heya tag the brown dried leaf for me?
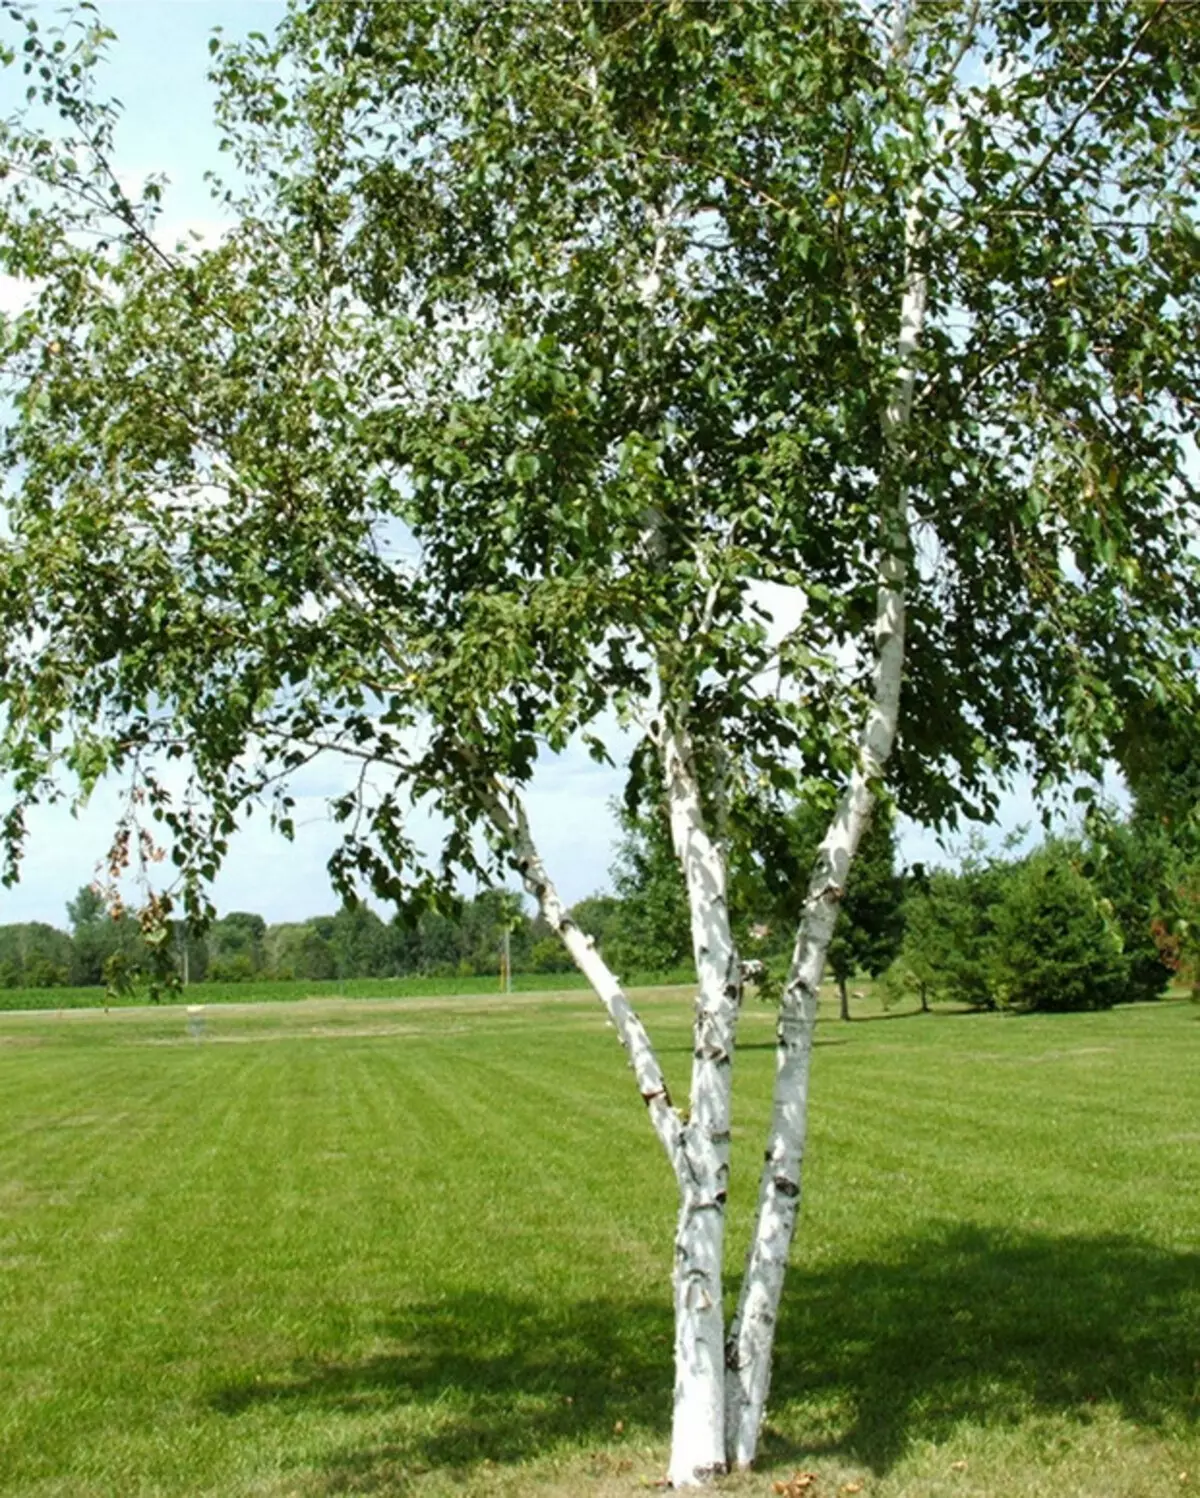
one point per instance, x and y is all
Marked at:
(798, 1485)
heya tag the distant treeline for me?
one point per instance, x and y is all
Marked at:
(1076, 924)
(241, 947)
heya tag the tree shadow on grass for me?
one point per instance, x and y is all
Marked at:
(480, 1376)
(773, 1045)
(988, 1326)
(962, 1324)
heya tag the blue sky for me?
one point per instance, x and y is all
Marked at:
(157, 68)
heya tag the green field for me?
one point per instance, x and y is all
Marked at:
(293, 1257)
(288, 990)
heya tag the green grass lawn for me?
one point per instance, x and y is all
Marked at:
(288, 990)
(295, 1257)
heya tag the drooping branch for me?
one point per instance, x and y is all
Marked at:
(506, 812)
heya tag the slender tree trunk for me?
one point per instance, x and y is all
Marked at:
(844, 998)
(698, 1426)
(698, 1419)
(752, 1334)
(698, 1149)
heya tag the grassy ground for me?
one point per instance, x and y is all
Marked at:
(422, 1248)
(287, 991)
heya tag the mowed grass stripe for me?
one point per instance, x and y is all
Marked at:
(88, 1330)
(247, 1261)
(336, 1249)
(985, 1246)
(396, 1100)
(557, 1137)
(1086, 1121)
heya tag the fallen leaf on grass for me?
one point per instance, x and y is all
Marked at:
(799, 1484)
(958, 1466)
(852, 1487)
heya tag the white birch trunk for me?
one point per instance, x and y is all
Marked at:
(698, 1418)
(698, 1149)
(698, 1427)
(752, 1334)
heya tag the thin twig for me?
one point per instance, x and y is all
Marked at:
(1092, 99)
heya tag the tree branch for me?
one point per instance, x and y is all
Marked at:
(506, 812)
(1092, 99)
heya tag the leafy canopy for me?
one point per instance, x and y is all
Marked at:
(541, 341)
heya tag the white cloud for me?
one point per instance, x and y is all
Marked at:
(16, 294)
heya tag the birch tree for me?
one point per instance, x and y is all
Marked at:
(548, 344)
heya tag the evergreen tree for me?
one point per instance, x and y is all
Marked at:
(1161, 760)
(1054, 948)
(870, 927)
(1141, 876)
(949, 947)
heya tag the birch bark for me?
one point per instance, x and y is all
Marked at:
(697, 1148)
(698, 1427)
(752, 1334)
